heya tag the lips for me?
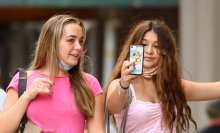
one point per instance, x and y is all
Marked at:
(148, 58)
(74, 55)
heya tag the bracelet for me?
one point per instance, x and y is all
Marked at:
(26, 96)
(122, 88)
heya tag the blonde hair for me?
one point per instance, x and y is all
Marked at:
(47, 50)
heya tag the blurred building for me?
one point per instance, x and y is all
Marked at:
(200, 45)
(107, 23)
(194, 22)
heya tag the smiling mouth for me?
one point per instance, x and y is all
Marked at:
(74, 55)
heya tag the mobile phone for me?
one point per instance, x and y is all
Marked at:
(136, 55)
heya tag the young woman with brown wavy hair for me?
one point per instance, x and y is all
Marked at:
(159, 95)
(59, 95)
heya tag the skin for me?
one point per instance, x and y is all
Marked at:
(151, 52)
(70, 49)
(71, 44)
(146, 91)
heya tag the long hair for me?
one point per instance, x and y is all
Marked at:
(168, 78)
(47, 50)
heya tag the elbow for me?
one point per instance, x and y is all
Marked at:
(4, 128)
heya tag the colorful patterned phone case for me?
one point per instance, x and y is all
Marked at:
(136, 55)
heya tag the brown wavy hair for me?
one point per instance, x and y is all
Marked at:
(168, 78)
(47, 50)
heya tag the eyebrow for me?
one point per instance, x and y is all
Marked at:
(74, 36)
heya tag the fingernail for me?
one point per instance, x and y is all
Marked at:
(51, 92)
(53, 84)
(133, 62)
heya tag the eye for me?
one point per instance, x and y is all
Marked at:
(70, 40)
(155, 46)
(81, 41)
(144, 45)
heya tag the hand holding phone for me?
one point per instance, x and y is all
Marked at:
(136, 55)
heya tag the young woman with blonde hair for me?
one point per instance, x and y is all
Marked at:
(59, 96)
(159, 95)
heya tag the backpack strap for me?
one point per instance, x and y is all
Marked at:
(21, 88)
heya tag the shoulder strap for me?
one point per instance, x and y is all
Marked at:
(107, 119)
(124, 119)
(21, 88)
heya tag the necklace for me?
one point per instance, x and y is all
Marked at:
(155, 97)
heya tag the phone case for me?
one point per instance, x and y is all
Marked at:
(136, 55)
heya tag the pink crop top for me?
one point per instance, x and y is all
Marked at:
(57, 112)
(143, 117)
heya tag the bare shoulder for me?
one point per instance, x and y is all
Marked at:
(186, 82)
(112, 85)
(183, 82)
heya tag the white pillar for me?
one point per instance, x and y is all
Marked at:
(109, 58)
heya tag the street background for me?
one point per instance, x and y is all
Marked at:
(194, 22)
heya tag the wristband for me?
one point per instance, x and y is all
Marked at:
(27, 96)
(122, 88)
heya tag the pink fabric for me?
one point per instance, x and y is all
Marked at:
(143, 117)
(57, 112)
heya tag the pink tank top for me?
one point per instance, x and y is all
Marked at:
(143, 117)
(57, 112)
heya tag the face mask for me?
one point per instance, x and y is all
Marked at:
(150, 73)
(65, 67)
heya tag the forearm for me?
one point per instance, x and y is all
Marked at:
(116, 99)
(10, 120)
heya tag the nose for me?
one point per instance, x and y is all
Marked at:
(148, 49)
(78, 45)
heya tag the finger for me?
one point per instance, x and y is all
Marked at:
(43, 86)
(47, 91)
(127, 71)
(133, 76)
(126, 65)
(45, 80)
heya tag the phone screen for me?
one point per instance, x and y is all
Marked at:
(136, 55)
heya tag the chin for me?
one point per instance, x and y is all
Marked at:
(148, 66)
(72, 63)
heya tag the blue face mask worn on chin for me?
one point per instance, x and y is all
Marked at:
(65, 67)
